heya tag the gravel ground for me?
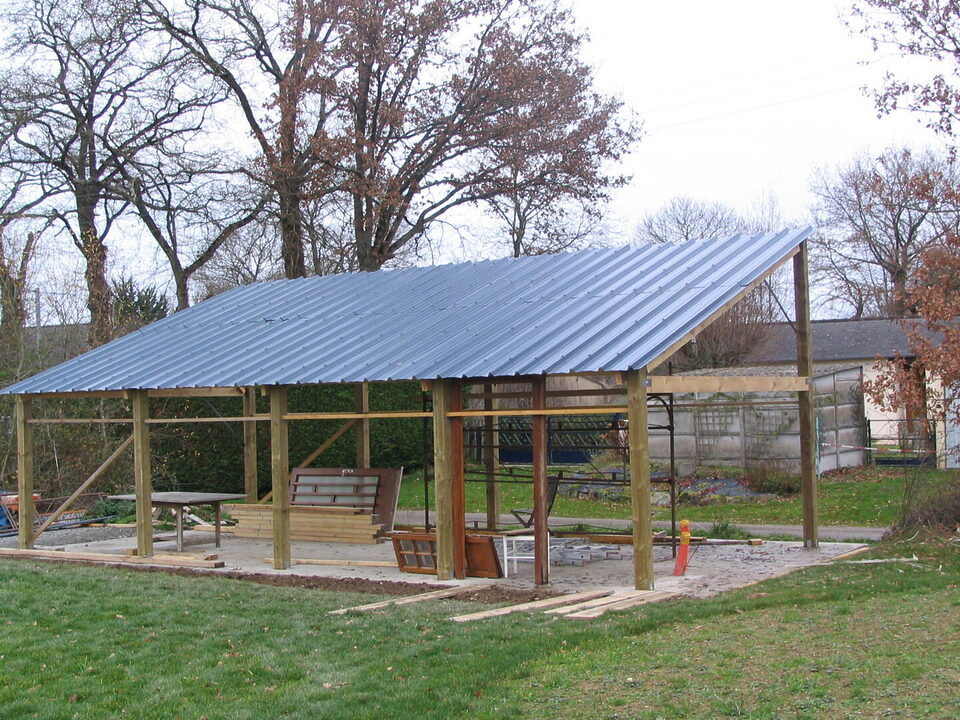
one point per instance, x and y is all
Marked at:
(74, 536)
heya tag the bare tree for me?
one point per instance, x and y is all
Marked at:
(876, 217)
(278, 65)
(730, 338)
(190, 211)
(92, 95)
(684, 218)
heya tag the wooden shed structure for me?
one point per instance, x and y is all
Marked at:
(620, 311)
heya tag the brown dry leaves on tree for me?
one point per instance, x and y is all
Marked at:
(935, 341)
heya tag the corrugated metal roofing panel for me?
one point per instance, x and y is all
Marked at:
(609, 309)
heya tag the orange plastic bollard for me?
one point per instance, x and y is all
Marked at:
(680, 567)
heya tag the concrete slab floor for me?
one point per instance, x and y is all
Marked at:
(711, 570)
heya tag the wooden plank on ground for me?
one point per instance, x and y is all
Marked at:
(648, 596)
(110, 558)
(406, 600)
(331, 561)
(535, 605)
(596, 602)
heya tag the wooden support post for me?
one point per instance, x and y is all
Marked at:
(279, 474)
(142, 477)
(808, 432)
(250, 446)
(640, 479)
(541, 535)
(491, 460)
(24, 412)
(363, 426)
(459, 488)
(443, 470)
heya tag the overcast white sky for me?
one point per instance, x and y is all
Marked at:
(739, 98)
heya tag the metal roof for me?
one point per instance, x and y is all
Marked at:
(599, 310)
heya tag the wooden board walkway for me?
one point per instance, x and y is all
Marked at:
(408, 599)
(535, 605)
(163, 560)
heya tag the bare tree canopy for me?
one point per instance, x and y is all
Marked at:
(92, 96)
(728, 340)
(684, 218)
(876, 217)
(921, 28)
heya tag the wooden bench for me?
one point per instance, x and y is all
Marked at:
(330, 505)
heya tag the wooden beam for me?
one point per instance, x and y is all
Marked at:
(79, 421)
(363, 425)
(172, 560)
(666, 354)
(358, 416)
(198, 392)
(491, 459)
(328, 442)
(143, 481)
(459, 488)
(102, 394)
(640, 479)
(808, 433)
(250, 484)
(541, 535)
(725, 383)
(279, 474)
(548, 411)
(237, 418)
(54, 516)
(23, 411)
(443, 476)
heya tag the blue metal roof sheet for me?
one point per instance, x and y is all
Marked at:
(599, 310)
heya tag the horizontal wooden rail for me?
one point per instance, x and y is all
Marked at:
(521, 412)
(357, 416)
(241, 418)
(726, 383)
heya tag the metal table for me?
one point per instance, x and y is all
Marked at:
(179, 500)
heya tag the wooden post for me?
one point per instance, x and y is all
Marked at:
(279, 474)
(808, 433)
(250, 446)
(24, 413)
(640, 479)
(363, 426)
(491, 460)
(142, 477)
(541, 536)
(443, 470)
(459, 487)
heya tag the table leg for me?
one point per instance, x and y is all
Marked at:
(216, 524)
(179, 528)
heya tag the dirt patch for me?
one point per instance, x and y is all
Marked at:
(489, 595)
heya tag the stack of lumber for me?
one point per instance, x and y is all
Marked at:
(317, 523)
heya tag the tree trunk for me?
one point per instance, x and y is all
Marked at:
(98, 289)
(291, 230)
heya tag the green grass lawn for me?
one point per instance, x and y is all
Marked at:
(841, 641)
(865, 496)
